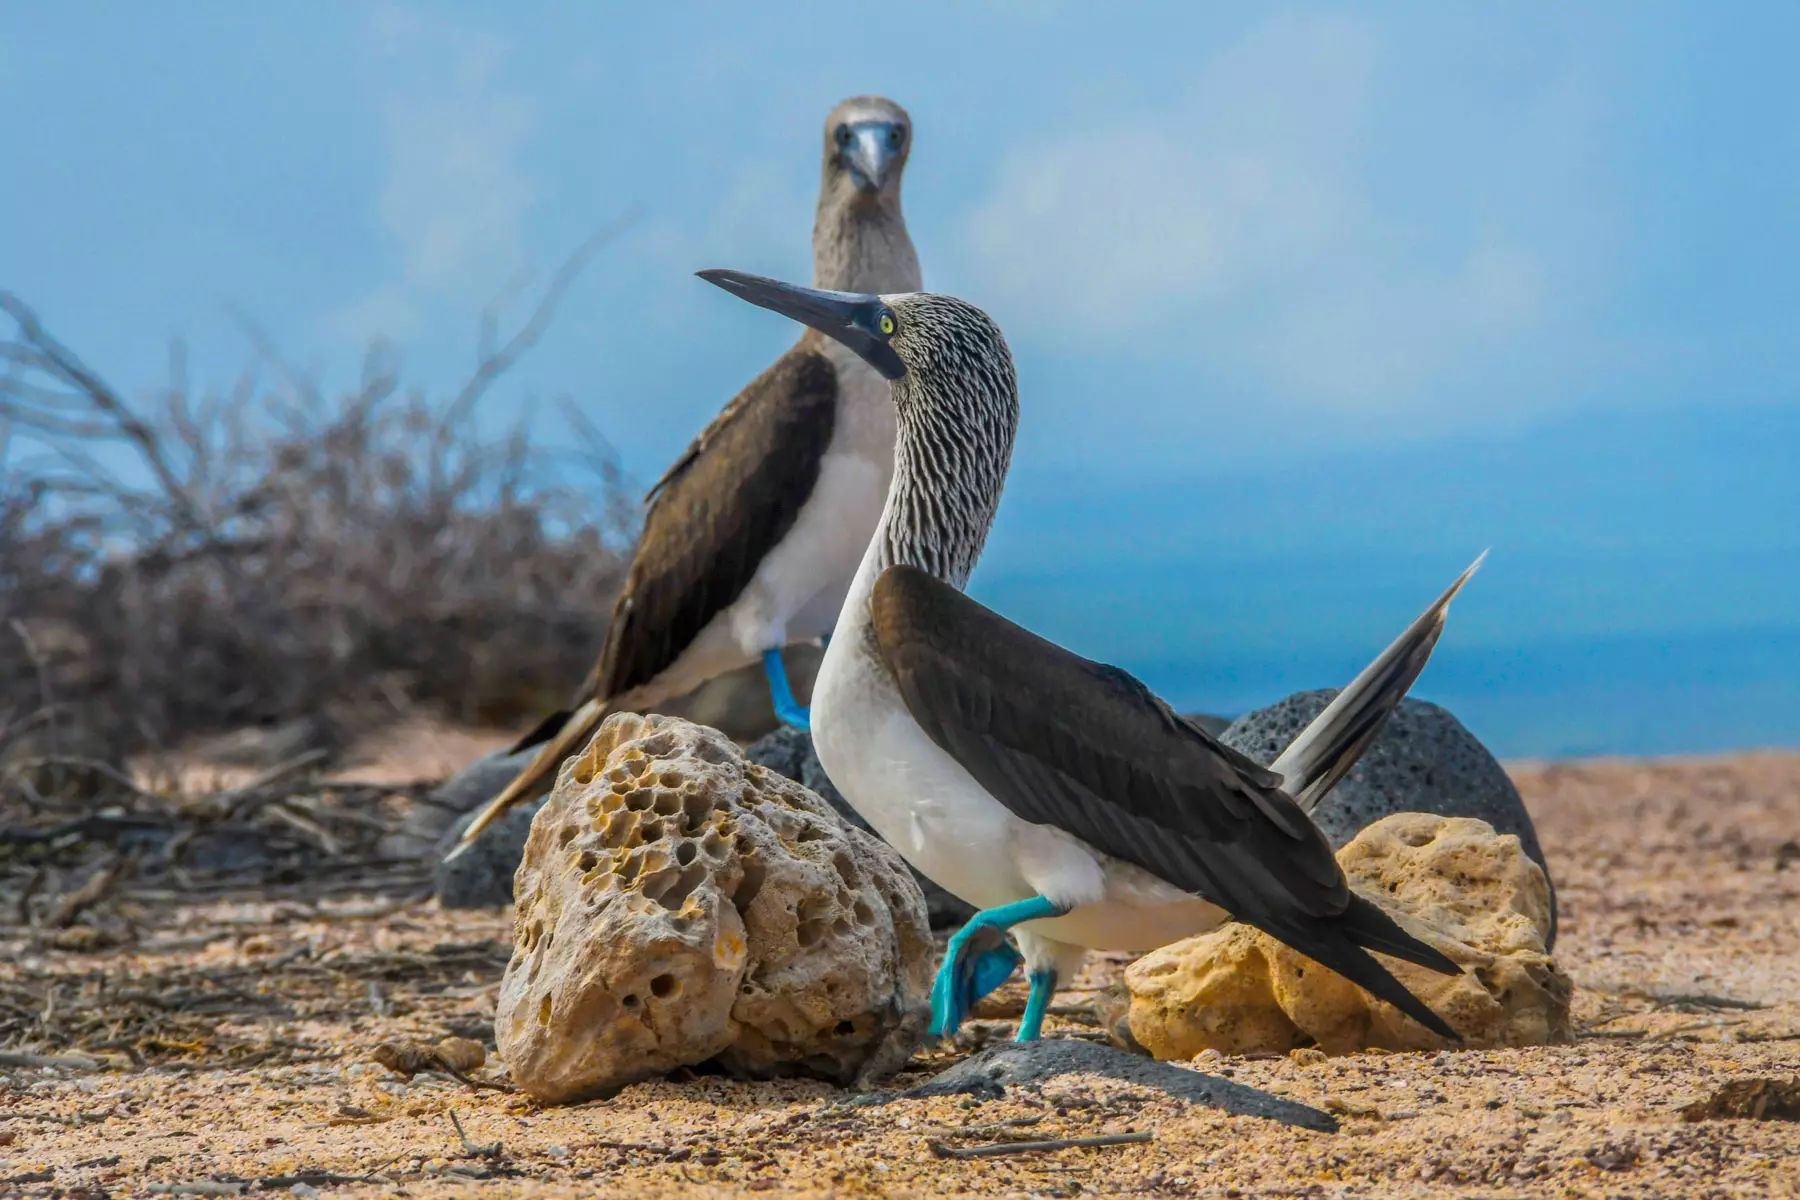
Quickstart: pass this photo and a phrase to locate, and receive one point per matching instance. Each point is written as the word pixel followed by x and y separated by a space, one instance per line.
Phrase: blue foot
pixel 992 968
pixel 1031 1025
pixel 788 709
pixel 978 973
pixel 954 991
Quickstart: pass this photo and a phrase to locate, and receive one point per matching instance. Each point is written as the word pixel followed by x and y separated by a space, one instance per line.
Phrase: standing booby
pixel 753 535
pixel 1057 795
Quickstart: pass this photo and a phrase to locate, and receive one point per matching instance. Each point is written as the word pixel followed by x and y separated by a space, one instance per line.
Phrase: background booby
pixel 753 534
pixel 1056 794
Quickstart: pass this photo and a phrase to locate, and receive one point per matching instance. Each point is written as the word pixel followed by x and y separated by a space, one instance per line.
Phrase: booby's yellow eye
pixel 887 323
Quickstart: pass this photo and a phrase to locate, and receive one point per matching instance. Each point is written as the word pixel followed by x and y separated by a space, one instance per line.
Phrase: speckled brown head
pixel 867 140
pixel 860 243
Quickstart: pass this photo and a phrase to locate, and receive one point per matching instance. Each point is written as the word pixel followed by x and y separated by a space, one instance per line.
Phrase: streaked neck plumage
pixel 958 410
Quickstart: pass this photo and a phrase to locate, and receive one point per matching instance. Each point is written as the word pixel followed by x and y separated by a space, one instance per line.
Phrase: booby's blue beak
pixel 870 149
pixel 848 317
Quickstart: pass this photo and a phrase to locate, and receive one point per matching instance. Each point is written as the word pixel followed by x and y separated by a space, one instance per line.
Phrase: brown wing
pixel 732 495
pixel 1085 747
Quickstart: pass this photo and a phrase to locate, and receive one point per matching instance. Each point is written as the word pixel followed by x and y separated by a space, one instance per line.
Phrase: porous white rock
pixel 679 905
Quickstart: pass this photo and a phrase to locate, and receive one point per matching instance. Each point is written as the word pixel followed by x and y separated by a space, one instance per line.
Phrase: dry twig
pixel 475 1149
pixel 998 1149
pixel 96 889
pixel 260 555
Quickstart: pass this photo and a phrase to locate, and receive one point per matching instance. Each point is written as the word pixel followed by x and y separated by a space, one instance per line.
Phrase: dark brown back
pixel 730 498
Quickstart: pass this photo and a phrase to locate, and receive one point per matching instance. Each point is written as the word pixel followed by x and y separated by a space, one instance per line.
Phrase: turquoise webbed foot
pixel 789 710
pixel 977 972
pixel 969 973
pixel 992 968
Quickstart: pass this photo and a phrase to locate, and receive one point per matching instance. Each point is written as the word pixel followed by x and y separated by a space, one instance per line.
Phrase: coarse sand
pixel 1678 882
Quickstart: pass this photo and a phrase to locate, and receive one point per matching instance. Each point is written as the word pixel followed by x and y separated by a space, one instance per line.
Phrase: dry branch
pixel 260 555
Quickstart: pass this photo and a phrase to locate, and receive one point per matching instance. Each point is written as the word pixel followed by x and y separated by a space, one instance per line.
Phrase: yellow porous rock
pixel 1451 881
pixel 679 905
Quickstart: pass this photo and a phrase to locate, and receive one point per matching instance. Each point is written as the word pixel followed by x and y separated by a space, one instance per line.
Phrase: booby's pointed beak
pixel 871 154
pixel 848 317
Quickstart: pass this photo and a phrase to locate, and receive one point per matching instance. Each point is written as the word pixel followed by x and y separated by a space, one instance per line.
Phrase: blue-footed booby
pixel 1057 795
pixel 754 533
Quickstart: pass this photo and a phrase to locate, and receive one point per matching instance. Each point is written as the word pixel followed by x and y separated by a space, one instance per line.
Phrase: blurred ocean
pixel 1570 695
pixel 1556 698
pixel 1642 595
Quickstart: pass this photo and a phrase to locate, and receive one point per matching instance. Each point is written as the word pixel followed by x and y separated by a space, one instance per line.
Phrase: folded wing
pixel 1086 748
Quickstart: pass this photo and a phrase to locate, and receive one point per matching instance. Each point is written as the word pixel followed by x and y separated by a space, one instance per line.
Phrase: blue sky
pixel 1311 303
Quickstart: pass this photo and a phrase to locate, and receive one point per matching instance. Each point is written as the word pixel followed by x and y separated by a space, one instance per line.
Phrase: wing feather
pixel 730 498
pixel 1063 741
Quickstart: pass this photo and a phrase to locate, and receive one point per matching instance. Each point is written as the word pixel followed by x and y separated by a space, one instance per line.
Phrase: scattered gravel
pixel 1678 926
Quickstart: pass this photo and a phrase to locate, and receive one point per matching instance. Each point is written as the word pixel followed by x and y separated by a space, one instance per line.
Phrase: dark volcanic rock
pixel 789 751
pixel 1424 761
pixel 479 782
pixel 988 1074
pixel 482 877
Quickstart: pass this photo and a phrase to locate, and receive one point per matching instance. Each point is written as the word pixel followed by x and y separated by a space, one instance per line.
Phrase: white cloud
pixel 1367 336
pixel 1241 219
pixel 455 198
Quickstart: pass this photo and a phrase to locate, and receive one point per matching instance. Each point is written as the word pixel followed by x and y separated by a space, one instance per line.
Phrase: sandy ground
pixel 1678 883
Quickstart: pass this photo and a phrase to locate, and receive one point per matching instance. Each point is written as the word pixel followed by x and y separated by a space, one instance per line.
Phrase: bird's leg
pixel 954 992
pixel 788 709
pixel 1043 987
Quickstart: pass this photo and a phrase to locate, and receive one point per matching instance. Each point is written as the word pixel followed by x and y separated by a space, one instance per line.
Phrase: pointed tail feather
pixel 542 732
pixel 1370 927
pixel 537 778
pixel 1340 945
pixel 1328 747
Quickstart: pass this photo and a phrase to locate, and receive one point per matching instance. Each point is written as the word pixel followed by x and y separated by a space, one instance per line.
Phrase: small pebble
pixel 305 1191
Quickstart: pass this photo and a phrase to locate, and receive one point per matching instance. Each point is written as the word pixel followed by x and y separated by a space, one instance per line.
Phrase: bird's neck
pixel 860 243
pixel 950 461
pixel 949 469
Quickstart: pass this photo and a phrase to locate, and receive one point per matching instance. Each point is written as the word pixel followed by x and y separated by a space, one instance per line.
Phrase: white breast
pixel 799 586
pixel 930 809
pixel 914 795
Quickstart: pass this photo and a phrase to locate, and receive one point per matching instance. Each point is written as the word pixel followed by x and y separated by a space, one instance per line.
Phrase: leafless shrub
pixel 262 554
